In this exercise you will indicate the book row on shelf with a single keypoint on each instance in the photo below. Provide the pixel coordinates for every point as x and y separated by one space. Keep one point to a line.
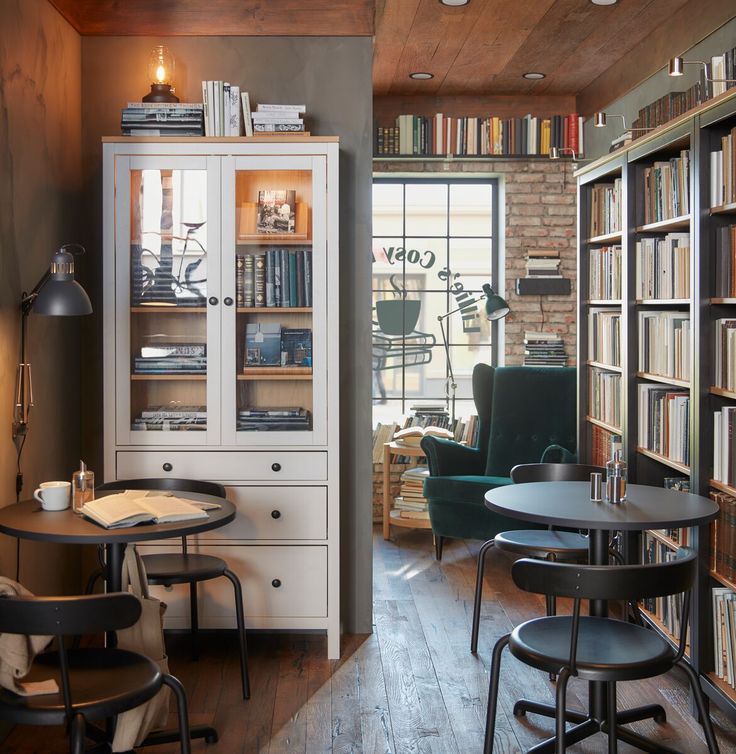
603 444
664 343
724 445
723 536
664 421
605 397
605 273
663 267
443 134
605 208
604 336
724 634
171 417
275 278
164 354
666 183
724 354
267 344
668 609
723 171
725 283
274 419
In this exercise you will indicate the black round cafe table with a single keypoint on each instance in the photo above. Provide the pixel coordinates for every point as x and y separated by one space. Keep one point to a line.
568 505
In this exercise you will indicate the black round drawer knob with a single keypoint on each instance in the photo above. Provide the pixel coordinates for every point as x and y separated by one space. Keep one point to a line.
213 300
227 301
275 514
167 466
276 583
275 467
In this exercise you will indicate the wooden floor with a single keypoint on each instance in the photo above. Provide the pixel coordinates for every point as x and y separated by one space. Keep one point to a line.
410 687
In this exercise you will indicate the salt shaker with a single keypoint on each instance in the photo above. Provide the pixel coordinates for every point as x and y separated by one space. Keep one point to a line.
596 486
83 487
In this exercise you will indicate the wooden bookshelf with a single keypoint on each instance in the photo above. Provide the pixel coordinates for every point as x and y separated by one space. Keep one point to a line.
724 209
722 487
606 238
664 539
723 580
722 392
681 467
599 423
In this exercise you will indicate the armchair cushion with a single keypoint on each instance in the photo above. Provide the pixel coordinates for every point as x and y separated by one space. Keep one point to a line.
448 457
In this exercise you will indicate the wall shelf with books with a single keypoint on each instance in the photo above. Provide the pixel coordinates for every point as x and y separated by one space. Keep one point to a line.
603 302
603 425
607 367
606 238
676 319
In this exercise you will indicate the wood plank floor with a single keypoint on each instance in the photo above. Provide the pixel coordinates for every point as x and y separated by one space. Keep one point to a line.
411 687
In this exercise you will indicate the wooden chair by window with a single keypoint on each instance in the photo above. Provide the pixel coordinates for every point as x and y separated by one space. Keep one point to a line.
190 568
94 683
600 649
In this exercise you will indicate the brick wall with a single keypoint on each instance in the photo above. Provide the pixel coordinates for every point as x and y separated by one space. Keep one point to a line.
539 213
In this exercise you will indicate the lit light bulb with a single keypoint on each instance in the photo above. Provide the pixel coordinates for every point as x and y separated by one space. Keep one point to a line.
161 74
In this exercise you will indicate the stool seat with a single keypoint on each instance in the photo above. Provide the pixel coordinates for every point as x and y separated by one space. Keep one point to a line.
540 543
182 568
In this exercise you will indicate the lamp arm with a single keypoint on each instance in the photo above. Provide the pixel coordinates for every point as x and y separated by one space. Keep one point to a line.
453 385
707 77
460 308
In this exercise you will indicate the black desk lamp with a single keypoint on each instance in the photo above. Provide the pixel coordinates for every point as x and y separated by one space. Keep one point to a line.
495 308
56 294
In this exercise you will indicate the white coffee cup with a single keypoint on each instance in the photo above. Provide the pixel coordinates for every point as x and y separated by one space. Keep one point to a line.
53 496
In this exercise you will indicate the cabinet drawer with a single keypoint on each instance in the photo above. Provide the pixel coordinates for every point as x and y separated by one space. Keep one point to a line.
278 582
222 466
275 513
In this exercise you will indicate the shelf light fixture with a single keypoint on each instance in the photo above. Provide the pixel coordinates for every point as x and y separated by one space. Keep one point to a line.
421 75
555 153
600 120
677 68
534 75
454 3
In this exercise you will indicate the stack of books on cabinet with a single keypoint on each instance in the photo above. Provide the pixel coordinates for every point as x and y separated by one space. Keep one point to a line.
658 337
163 119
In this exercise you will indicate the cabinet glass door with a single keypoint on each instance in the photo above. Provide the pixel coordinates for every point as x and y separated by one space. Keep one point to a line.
274 368
167 262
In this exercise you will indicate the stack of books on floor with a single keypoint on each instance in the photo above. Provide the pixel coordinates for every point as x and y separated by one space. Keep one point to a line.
164 354
411 502
168 418
274 419
163 119
544 349
276 278
279 119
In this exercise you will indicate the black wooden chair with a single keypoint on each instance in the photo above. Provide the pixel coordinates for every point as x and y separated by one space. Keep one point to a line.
549 544
94 683
599 649
189 568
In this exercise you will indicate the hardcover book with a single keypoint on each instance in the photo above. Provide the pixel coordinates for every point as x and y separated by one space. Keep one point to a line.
276 211
296 347
262 344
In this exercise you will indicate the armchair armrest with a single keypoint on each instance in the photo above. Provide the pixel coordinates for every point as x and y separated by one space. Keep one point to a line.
557 454
449 458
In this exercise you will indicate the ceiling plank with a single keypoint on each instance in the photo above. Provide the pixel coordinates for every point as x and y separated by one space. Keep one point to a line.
219 17
494 39
437 35
694 21
393 24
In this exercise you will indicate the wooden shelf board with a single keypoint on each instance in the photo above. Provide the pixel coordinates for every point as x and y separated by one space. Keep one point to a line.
664 460
722 300
266 239
408 523
413 451
171 377
661 301
722 486
274 310
724 209
276 373
674 223
720 684
168 309
607 367
664 539
723 580
603 302
606 237
722 392
660 378
599 423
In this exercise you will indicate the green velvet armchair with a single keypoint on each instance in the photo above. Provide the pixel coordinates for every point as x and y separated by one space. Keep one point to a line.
525 415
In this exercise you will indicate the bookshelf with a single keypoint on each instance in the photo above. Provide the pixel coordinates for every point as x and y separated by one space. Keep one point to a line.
691 378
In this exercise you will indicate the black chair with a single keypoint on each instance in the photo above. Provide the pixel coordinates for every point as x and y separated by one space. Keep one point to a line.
549 544
94 683
599 649
188 568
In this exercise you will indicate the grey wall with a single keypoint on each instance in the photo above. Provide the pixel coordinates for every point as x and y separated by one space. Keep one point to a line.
332 76
40 180
598 140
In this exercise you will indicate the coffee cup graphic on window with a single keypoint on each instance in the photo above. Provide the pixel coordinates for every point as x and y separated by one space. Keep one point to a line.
398 316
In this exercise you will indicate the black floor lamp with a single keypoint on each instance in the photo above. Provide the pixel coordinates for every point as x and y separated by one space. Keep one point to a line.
495 308
56 294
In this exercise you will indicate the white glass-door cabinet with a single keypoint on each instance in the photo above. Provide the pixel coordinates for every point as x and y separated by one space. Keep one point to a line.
220 356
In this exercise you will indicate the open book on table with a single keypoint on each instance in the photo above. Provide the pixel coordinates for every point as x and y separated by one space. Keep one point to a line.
136 506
